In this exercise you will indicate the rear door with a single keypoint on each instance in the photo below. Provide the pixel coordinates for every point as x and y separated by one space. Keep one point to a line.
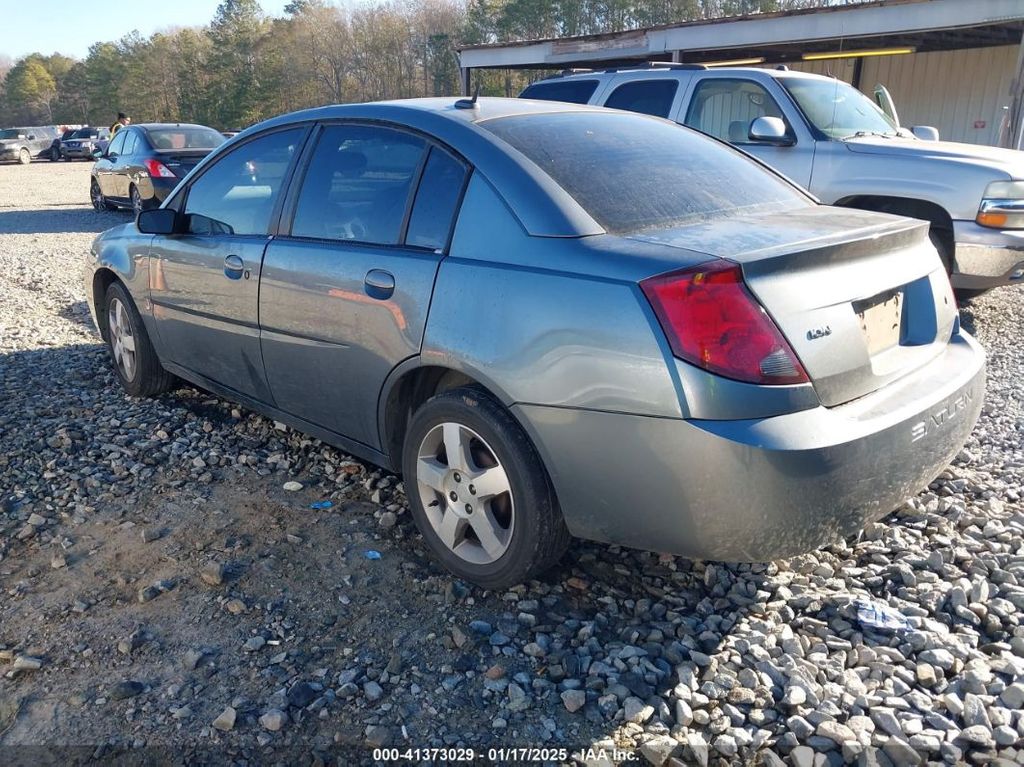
724 104
345 290
204 284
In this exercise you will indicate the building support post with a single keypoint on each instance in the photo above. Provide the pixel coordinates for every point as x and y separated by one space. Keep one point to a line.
464 76
858 70
1013 135
677 57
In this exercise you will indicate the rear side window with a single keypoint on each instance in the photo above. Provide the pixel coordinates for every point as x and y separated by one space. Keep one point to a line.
236 194
649 97
130 142
437 199
630 172
571 91
358 184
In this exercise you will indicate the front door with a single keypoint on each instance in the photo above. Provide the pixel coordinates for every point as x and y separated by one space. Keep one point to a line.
344 297
108 166
204 284
726 106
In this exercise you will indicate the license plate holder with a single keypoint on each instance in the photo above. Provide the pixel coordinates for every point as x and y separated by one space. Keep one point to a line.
881 320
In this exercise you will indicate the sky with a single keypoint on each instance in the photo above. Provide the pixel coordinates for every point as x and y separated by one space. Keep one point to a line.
71 26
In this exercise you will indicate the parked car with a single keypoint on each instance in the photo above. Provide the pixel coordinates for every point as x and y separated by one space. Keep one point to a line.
833 140
25 144
55 146
491 298
85 142
143 163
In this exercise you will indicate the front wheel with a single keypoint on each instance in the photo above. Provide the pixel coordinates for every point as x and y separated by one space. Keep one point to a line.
99 202
478 491
24 157
54 154
135 361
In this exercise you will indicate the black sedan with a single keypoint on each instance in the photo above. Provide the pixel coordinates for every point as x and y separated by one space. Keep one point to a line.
144 162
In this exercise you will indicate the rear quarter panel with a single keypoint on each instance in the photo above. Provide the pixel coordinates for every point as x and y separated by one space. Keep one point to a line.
536 321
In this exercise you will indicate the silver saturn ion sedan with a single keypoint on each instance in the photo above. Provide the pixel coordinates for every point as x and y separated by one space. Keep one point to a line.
553 320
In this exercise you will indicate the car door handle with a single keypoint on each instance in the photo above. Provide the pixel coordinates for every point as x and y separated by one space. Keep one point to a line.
379 284
233 267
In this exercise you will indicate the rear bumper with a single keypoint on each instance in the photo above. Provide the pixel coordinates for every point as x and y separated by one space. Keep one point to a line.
763 489
987 258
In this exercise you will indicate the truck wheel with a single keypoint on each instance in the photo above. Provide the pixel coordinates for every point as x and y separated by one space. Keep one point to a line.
24 156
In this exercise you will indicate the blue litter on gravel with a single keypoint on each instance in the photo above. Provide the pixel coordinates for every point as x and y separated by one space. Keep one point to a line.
371 554
878 616
321 504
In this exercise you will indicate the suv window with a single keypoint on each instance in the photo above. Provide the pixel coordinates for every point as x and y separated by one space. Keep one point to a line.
117 145
358 184
632 172
649 97
725 108
236 194
571 91
436 201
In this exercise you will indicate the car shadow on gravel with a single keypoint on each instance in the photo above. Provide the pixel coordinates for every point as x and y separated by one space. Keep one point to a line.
59 220
78 313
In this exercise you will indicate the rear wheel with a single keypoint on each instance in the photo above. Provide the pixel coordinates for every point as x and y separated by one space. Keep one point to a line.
478 491
24 156
135 361
138 204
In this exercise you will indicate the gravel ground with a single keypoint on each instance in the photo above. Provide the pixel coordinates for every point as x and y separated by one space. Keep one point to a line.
162 588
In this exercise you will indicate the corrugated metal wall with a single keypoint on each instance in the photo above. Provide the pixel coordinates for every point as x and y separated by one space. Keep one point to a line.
964 94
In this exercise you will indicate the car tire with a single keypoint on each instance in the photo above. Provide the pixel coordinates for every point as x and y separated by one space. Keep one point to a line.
24 156
497 540
54 154
135 360
99 202
138 204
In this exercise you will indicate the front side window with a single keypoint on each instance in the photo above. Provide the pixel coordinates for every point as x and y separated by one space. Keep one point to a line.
437 200
838 110
630 172
358 184
236 194
571 91
117 145
725 108
649 97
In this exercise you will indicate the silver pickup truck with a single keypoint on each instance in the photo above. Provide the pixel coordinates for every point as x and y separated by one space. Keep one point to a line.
836 142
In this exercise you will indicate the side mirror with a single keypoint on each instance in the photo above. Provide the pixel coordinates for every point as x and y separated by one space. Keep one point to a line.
158 221
31 137
770 130
925 132
97 154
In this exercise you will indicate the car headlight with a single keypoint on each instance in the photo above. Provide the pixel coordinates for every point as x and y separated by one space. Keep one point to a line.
1003 205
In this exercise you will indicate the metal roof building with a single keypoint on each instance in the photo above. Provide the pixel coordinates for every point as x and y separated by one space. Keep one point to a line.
954 64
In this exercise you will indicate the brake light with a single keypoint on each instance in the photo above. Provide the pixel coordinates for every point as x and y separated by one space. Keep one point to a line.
157 169
714 322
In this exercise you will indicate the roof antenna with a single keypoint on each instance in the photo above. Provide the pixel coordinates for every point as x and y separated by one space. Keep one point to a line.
469 103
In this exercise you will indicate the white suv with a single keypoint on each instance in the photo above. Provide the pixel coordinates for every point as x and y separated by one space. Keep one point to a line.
834 141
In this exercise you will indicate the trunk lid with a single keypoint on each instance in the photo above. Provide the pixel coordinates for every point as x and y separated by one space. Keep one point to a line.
861 297
181 161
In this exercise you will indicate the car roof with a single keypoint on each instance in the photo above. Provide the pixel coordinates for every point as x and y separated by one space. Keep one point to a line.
526 189
157 126
662 71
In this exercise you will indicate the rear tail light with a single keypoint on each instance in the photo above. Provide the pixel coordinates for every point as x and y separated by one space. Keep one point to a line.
157 169
714 322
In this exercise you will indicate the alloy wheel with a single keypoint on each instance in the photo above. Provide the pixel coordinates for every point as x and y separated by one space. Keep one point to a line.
136 201
96 196
122 339
465 493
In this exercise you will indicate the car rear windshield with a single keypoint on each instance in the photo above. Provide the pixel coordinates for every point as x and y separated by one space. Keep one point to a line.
631 172
185 138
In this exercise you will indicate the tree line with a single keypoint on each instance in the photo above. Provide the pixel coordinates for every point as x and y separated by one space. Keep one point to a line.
245 66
